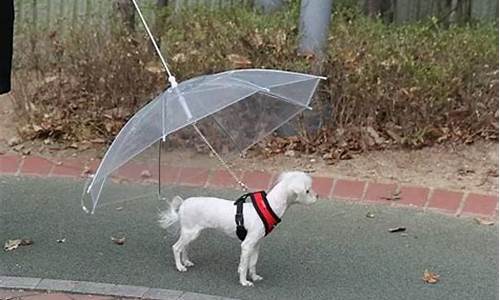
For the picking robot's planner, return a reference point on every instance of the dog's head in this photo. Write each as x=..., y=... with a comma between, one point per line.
x=299, y=186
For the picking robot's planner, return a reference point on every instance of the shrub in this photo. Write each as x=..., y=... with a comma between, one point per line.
x=411, y=85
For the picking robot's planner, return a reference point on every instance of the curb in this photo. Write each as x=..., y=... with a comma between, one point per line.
x=452, y=202
x=105, y=289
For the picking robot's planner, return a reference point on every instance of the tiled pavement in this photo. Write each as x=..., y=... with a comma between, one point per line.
x=25, y=288
x=391, y=193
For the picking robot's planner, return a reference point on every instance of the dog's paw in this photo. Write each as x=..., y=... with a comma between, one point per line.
x=256, y=277
x=246, y=283
x=181, y=268
x=188, y=263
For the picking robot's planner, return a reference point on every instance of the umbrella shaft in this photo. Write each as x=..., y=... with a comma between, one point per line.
x=151, y=37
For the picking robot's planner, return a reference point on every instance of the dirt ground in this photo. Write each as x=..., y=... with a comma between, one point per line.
x=466, y=167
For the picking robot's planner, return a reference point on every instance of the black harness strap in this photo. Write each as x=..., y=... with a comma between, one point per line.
x=241, y=231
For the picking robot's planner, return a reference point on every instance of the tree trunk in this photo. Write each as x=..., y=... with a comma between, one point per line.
x=314, y=26
x=126, y=13
x=269, y=6
x=373, y=7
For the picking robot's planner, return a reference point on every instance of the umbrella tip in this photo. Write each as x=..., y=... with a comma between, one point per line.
x=172, y=81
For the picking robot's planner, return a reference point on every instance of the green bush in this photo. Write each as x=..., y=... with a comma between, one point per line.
x=411, y=85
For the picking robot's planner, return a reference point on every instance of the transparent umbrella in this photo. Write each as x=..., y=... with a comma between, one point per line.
x=243, y=106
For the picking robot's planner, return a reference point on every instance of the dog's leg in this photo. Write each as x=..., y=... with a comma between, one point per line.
x=185, y=258
x=253, y=262
x=247, y=247
x=184, y=254
x=187, y=236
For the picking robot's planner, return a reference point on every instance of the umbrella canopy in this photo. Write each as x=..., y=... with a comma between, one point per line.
x=244, y=105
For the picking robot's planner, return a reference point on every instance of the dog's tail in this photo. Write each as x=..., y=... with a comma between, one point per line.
x=171, y=215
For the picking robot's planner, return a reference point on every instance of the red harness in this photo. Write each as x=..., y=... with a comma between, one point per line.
x=263, y=209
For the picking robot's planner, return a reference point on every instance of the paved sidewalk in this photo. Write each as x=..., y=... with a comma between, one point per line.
x=6, y=294
x=330, y=250
x=454, y=202
x=38, y=288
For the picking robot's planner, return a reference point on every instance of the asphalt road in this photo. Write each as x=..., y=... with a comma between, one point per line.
x=328, y=251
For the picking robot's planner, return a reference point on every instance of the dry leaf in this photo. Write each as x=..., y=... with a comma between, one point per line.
x=374, y=134
x=145, y=174
x=370, y=215
x=397, y=229
x=26, y=242
x=11, y=245
x=14, y=244
x=430, y=277
x=484, y=221
x=394, y=196
x=86, y=171
x=290, y=153
x=98, y=141
x=118, y=241
x=239, y=61
x=153, y=68
x=492, y=172
x=179, y=57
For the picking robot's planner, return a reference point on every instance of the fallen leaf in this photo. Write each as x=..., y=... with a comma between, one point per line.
x=179, y=57
x=18, y=148
x=290, y=153
x=153, y=68
x=484, y=221
x=465, y=171
x=394, y=196
x=397, y=229
x=37, y=128
x=430, y=277
x=86, y=171
x=26, y=242
x=14, y=244
x=374, y=134
x=239, y=61
x=145, y=174
x=98, y=141
x=118, y=241
x=11, y=245
x=14, y=141
x=492, y=172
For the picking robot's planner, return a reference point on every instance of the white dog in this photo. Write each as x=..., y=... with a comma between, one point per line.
x=198, y=213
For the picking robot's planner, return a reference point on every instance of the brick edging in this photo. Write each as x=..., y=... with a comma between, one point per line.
x=96, y=288
x=395, y=194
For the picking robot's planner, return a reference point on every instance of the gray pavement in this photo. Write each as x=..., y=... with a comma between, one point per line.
x=328, y=251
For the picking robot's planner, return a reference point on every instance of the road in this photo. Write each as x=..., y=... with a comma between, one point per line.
x=330, y=250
